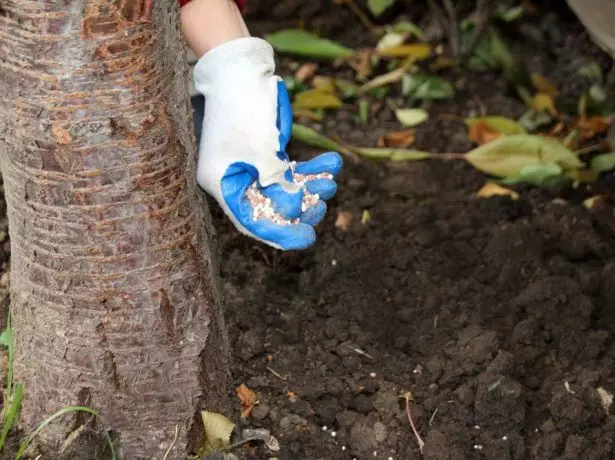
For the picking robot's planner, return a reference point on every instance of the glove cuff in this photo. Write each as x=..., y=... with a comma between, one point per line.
x=232, y=61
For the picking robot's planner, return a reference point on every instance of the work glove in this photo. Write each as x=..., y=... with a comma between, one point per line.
x=243, y=163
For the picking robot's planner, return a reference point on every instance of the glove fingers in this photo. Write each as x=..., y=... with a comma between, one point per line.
x=284, y=203
x=285, y=237
x=314, y=215
x=325, y=188
x=329, y=162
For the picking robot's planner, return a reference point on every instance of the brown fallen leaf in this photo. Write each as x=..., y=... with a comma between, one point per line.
x=592, y=126
x=481, y=133
x=343, y=220
x=399, y=139
x=247, y=398
x=361, y=63
x=306, y=71
x=544, y=85
x=493, y=189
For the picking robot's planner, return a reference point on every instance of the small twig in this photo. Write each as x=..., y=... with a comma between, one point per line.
x=408, y=397
x=453, y=29
x=173, y=443
x=482, y=20
x=450, y=156
x=359, y=351
x=361, y=15
x=281, y=377
x=481, y=107
x=433, y=416
x=588, y=149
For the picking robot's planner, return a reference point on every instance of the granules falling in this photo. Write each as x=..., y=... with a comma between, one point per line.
x=263, y=208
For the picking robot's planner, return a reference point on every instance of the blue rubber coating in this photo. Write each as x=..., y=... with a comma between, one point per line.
x=286, y=204
x=315, y=214
x=234, y=184
x=325, y=188
x=329, y=162
x=284, y=121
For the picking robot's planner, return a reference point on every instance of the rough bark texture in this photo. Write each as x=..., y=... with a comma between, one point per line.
x=112, y=280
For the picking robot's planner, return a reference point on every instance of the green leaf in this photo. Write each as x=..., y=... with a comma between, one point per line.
x=316, y=99
x=604, y=162
x=508, y=155
x=411, y=117
x=426, y=87
x=65, y=410
x=500, y=124
x=302, y=43
x=315, y=139
x=363, y=111
x=409, y=28
x=347, y=88
x=392, y=154
x=537, y=174
x=592, y=71
x=510, y=14
x=377, y=7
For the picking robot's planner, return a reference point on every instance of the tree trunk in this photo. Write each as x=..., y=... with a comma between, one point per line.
x=114, y=300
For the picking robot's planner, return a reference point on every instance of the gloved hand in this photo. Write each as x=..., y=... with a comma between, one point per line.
x=247, y=124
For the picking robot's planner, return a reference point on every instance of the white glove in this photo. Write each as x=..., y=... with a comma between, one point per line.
x=246, y=126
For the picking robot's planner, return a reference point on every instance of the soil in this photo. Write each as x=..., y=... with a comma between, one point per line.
x=496, y=314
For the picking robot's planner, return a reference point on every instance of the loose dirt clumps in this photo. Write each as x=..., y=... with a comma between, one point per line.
x=497, y=314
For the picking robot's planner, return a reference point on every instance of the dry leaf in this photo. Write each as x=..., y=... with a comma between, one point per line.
x=247, y=398
x=592, y=201
x=493, y=189
x=606, y=399
x=218, y=430
x=365, y=217
x=481, y=133
x=343, y=220
x=544, y=102
x=544, y=85
x=382, y=80
x=306, y=71
x=399, y=139
x=361, y=63
x=316, y=99
x=306, y=113
x=592, y=126
x=416, y=51
x=326, y=84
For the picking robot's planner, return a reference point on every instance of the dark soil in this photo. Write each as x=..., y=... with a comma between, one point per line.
x=496, y=314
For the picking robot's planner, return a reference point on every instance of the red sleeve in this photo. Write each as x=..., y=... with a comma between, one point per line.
x=240, y=3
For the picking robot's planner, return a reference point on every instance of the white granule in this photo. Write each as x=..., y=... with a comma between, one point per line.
x=263, y=208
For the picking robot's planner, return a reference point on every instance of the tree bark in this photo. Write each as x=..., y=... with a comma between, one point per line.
x=114, y=300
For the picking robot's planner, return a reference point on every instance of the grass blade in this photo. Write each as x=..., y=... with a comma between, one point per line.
x=51, y=418
x=10, y=414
